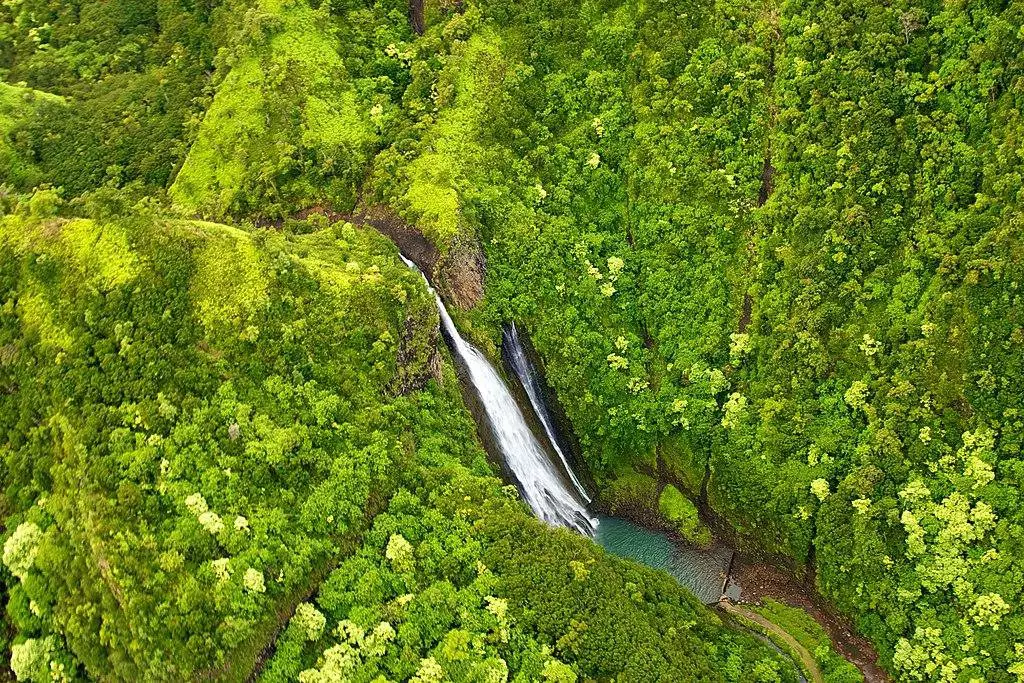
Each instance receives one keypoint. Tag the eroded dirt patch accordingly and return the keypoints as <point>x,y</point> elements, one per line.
<point>760,580</point>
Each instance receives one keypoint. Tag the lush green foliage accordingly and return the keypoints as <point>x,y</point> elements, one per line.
<point>133,73</point>
<point>769,254</point>
<point>455,583</point>
<point>293,121</point>
<point>200,422</point>
<point>210,410</point>
<point>16,106</point>
<point>799,624</point>
<point>774,252</point>
<point>682,513</point>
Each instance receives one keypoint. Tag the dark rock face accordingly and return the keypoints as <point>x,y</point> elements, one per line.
<point>408,238</point>
<point>418,358</point>
<point>416,16</point>
<point>460,273</point>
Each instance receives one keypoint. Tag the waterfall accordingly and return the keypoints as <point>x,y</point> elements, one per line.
<point>531,383</point>
<point>539,480</point>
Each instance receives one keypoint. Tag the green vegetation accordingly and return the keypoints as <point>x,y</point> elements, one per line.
<point>133,75</point>
<point>221,426</point>
<point>682,513</point>
<point>635,494</point>
<point>212,430</point>
<point>288,125</point>
<point>768,252</point>
<point>773,249</point>
<point>780,638</point>
<point>631,488</point>
<point>16,106</point>
<point>812,636</point>
<point>466,587</point>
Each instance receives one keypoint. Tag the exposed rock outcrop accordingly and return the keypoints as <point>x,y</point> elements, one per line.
<point>415,370</point>
<point>408,238</point>
<point>460,273</point>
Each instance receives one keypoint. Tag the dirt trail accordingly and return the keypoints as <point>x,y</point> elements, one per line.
<point>809,664</point>
<point>760,579</point>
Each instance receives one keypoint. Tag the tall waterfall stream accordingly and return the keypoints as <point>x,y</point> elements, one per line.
<point>527,375</point>
<point>545,478</point>
<point>541,483</point>
<point>543,474</point>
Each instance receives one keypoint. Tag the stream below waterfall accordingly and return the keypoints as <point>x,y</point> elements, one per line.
<point>522,437</point>
<point>526,442</point>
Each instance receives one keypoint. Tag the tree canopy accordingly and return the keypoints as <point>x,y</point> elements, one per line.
<point>768,255</point>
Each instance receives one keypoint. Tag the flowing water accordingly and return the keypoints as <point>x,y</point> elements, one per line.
<point>550,487</point>
<point>527,375</point>
<point>542,485</point>
<point>545,477</point>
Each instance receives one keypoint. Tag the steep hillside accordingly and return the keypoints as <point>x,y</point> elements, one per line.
<point>202,423</point>
<point>768,255</point>
<point>289,123</point>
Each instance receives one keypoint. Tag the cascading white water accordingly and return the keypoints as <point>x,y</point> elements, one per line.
<point>539,482</point>
<point>528,377</point>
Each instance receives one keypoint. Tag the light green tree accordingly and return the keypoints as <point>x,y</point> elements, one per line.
<point>21,548</point>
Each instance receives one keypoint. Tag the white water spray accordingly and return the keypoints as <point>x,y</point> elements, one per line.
<point>528,377</point>
<point>541,485</point>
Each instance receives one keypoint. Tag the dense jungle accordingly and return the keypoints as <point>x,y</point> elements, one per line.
<point>766,258</point>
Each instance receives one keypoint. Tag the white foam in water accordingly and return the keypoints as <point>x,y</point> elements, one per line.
<point>528,377</point>
<point>539,482</point>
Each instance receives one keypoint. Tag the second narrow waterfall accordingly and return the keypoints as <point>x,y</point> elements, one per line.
<point>541,484</point>
<point>531,383</point>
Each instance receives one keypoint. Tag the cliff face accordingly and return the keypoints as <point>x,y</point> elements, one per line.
<point>418,358</point>
<point>460,273</point>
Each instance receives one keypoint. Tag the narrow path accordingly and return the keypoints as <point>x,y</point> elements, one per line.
<point>761,579</point>
<point>810,665</point>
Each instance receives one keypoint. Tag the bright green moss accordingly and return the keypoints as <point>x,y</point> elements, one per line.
<point>682,514</point>
<point>251,143</point>
<point>215,170</point>
<point>99,254</point>
<point>631,489</point>
<point>442,178</point>
<point>101,251</point>
<point>333,126</point>
<point>432,199</point>
<point>231,281</point>
<point>36,313</point>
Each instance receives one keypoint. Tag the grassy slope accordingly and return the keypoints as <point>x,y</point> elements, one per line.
<point>17,104</point>
<point>285,121</point>
<point>148,362</point>
<point>811,636</point>
<point>194,328</point>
